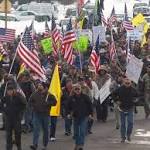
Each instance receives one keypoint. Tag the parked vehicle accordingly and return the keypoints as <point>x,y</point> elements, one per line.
<point>10,17</point>
<point>140,5</point>
<point>25,15</point>
<point>41,8</point>
<point>143,10</point>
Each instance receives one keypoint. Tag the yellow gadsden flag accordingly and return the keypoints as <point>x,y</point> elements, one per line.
<point>138,19</point>
<point>5,6</point>
<point>55,89</point>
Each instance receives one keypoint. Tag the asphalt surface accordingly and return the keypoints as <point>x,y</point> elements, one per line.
<point>104,137</point>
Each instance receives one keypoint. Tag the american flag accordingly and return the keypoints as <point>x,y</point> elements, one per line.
<point>68,40</point>
<point>28,56</point>
<point>7,35</point>
<point>112,51</point>
<point>32,30</point>
<point>55,34</point>
<point>95,60</point>
<point>127,25</point>
<point>104,20</point>
<point>112,17</point>
<point>2,50</point>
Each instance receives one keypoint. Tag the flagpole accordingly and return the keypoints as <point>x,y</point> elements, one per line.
<point>11,66</point>
<point>6,14</point>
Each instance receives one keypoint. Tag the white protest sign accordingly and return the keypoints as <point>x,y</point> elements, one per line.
<point>134,69</point>
<point>135,35</point>
<point>85,32</point>
<point>104,92</point>
<point>99,30</point>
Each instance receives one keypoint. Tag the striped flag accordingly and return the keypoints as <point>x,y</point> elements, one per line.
<point>7,35</point>
<point>55,34</point>
<point>112,51</point>
<point>28,56</point>
<point>68,40</point>
<point>95,60</point>
<point>112,17</point>
<point>104,20</point>
<point>127,25</point>
<point>3,52</point>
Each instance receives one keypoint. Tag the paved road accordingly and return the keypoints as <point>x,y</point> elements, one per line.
<point>104,137</point>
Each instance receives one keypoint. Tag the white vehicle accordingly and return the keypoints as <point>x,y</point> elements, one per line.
<point>10,17</point>
<point>140,5</point>
<point>42,8</point>
<point>143,10</point>
<point>25,15</point>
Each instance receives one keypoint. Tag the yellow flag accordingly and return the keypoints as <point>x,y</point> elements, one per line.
<point>138,19</point>
<point>1,57</point>
<point>5,6</point>
<point>22,69</point>
<point>81,23</point>
<point>146,27</point>
<point>55,89</point>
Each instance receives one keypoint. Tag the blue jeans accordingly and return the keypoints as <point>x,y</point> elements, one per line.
<point>40,121</point>
<point>68,125</point>
<point>126,119</point>
<point>53,123</point>
<point>80,127</point>
<point>28,118</point>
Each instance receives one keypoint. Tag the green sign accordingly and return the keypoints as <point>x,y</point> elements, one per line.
<point>82,43</point>
<point>47,45</point>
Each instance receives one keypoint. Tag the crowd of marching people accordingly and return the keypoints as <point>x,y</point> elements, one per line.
<point>23,96</point>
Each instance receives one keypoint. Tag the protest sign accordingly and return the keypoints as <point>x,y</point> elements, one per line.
<point>81,44</point>
<point>104,92</point>
<point>47,45</point>
<point>84,32</point>
<point>135,35</point>
<point>134,69</point>
<point>99,30</point>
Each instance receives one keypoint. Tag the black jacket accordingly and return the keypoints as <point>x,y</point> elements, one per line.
<point>13,106</point>
<point>80,106</point>
<point>126,96</point>
<point>39,104</point>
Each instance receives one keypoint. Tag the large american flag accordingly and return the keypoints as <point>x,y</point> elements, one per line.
<point>55,34</point>
<point>68,40</point>
<point>112,17</point>
<point>28,56</point>
<point>127,25</point>
<point>104,20</point>
<point>95,60</point>
<point>7,35</point>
